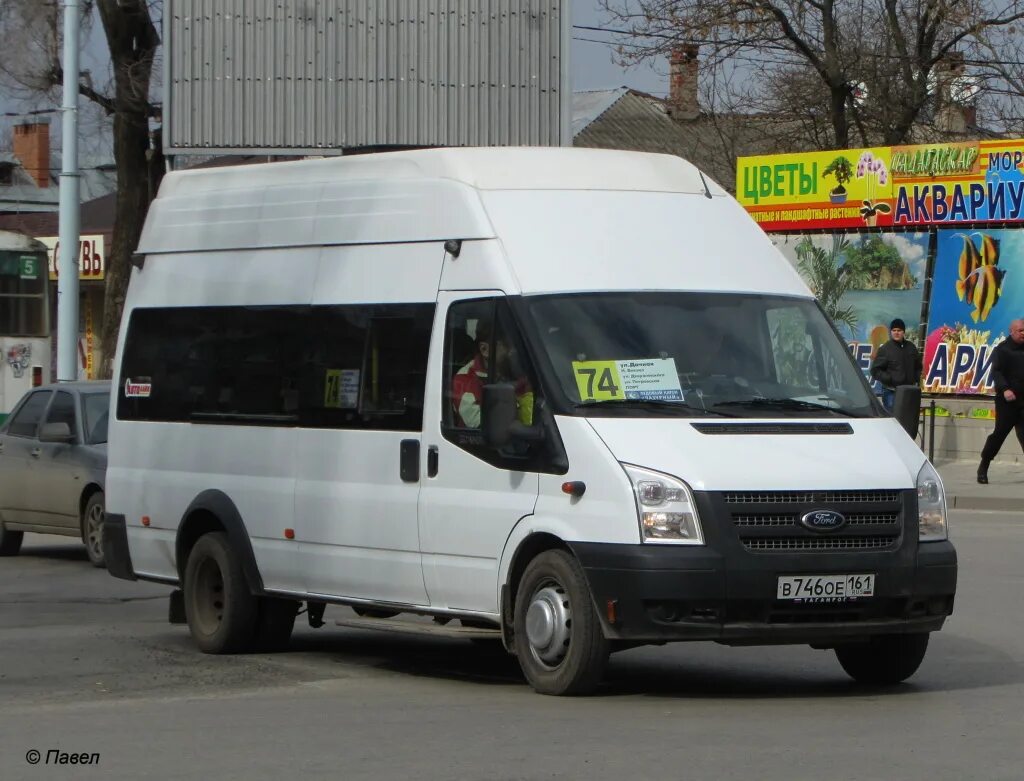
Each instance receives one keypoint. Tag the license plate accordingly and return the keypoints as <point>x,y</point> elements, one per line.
<point>825,588</point>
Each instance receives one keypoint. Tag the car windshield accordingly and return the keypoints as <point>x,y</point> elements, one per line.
<point>698,355</point>
<point>96,407</point>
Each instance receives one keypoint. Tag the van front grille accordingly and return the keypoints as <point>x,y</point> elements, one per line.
<point>761,544</point>
<point>767,522</point>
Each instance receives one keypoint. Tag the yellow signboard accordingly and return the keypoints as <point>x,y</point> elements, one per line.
<point>928,184</point>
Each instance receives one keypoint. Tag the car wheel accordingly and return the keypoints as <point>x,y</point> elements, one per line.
<point>274,624</point>
<point>558,638</point>
<point>92,528</point>
<point>220,610</point>
<point>884,660</point>
<point>10,542</point>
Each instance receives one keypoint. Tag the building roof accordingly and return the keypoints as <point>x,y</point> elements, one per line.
<point>97,218</point>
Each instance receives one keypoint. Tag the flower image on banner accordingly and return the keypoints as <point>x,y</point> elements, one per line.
<point>978,289</point>
<point>863,281</point>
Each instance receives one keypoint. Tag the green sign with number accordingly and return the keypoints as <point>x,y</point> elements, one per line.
<point>30,267</point>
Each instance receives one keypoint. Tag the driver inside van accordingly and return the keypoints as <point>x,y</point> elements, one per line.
<point>468,383</point>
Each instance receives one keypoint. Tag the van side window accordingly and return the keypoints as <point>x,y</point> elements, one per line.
<point>25,422</point>
<point>483,346</point>
<point>360,366</point>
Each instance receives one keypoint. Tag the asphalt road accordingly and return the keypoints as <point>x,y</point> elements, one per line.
<point>89,665</point>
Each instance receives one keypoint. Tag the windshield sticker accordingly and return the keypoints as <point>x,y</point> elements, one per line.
<point>341,389</point>
<point>137,390</point>
<point>653,379</point>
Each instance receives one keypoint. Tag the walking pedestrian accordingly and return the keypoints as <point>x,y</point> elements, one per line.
<point>896,363</point>
<point>1008,376</point>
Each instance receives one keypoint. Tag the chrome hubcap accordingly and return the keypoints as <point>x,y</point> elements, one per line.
<point>549,624</point>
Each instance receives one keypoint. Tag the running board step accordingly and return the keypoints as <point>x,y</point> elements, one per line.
<point>419,628</point>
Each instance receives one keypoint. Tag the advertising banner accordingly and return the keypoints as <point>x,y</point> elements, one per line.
<point>978,289</point>
<point>900,186</point>
<point>863,281</point>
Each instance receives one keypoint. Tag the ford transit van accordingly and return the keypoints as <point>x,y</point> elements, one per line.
<point>573,400</point>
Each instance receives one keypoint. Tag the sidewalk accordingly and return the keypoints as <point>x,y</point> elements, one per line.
<point>1005,489</point>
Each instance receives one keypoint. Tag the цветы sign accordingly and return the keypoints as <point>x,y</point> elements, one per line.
<point>932,184</point>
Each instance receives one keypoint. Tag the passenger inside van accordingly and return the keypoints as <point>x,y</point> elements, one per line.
<point>469,380</point>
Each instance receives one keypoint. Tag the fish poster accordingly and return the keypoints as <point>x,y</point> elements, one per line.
<point>863,281</point>
<point>978,289</point>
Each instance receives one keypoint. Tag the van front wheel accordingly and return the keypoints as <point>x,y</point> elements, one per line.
<point>884,660</point>
<point>220,609</point>
<point>558,638</point>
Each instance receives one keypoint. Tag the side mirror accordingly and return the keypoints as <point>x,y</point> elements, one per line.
<point>906,408</point>
<point>56,432</point>
<point>500,420</point>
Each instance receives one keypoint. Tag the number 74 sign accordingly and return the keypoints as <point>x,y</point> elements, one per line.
<point>645,378</point>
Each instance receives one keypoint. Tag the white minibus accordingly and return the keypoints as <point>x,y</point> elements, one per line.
<point>573,400</point>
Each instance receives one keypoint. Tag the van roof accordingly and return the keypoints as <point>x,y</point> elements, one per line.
<point>483,168</point>
<point>422,195</point>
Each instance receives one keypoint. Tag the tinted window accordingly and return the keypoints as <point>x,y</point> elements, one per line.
<point>482,347</point>
<point>95,407</point>
<point>320,367</point>
<point>695,355</point>
<point>63,410</point>
<point>26,420</point>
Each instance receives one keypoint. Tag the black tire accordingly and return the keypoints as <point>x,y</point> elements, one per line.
<point>567,652</point>
<point>884,660</point>
<point>92,528</point>
<point>220,609</point>
<point>274,623</point>
<point>10,542</point>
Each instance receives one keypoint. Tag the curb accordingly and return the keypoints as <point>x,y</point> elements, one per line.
<point>974,502</point>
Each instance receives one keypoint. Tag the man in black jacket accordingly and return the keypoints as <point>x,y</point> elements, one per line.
<point>897,362</point>
<point>1008,375</point>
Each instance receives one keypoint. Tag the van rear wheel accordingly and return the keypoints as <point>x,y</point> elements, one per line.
<point>884,660</point>
<point>220,609</point>
<point>558,638</point>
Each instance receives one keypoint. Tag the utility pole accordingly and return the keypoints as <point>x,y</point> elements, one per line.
<point>70,205</point>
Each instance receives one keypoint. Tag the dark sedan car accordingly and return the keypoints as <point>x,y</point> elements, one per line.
<point>53,460</point>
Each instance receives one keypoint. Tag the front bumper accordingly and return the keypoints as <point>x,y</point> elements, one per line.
<point>724,592</point>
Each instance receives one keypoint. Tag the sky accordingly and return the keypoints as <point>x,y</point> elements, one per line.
<point>592,64</point>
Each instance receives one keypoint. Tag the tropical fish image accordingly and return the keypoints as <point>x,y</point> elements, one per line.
<point>979,281</point>
<point>986,286</point>
<point>989,250</point>
<point>970,261</point>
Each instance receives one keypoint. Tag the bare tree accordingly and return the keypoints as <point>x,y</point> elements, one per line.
<point>865,67</point>
<point>30,65</point>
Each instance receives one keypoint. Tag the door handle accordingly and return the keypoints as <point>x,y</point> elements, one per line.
<point>409,461</point>
<point>432,461</point>
<point>35,453</point>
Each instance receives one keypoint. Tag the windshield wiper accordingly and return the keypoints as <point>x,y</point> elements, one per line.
<point>786,403</point>
<point>651,404</point>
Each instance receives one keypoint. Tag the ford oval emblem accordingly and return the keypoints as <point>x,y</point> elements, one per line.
<point>823,520</point>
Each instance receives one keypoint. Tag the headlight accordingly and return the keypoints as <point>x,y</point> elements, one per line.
<point>931,506</point>
<point>665,507</point>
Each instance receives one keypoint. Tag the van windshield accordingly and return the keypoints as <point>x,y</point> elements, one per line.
<point>698,355</point>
